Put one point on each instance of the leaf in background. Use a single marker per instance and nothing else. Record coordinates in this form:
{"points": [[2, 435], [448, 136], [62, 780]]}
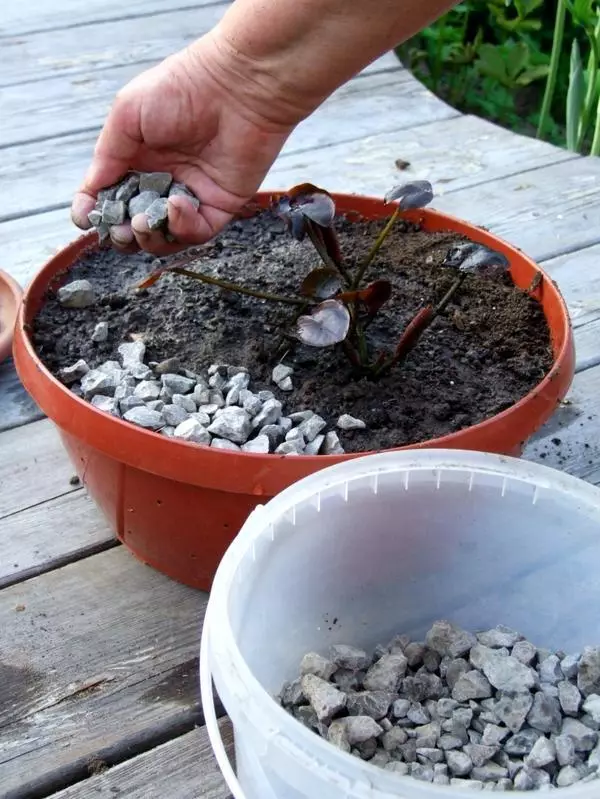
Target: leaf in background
{"points": [[516, 59], [575, 96], [491, 63], [532, 74], [327, 324], [321, 283], [416, 194]]}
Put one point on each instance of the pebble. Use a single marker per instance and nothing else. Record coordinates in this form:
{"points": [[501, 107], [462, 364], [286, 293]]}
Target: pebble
{"points": [[471, 685], [569, 697], [113, 212], [192, 430], [106, 404], [97, 382], [448, 640], [147, 390], [499, 637], [127, 403], [588, 674], [347, 422], [282, 373], [233, 423], [290, 448], [331, 444], [128, 188], [145, 417], [76, 294], [570, 665], [178, 189], [565, 750], [71, 374], [385, 675], [324, 698], [545, 714], [313, 663], [252, 405], [178, 384], [174, 414], [169, 365], [349, 657], [314, 447], [300, 416], [157, 213], [223, 443], [274, 433], [271, 412], [100, 333], [524, 651], [141, 202], [259, 445], [583, 738], [158, 182], [508, 673], [311, 427]]}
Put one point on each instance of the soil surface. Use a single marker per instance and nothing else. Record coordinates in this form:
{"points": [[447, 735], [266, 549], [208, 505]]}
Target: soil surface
{"points": [[487, 351]]}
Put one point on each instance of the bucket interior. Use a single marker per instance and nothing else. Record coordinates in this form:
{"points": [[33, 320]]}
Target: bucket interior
{"points": [[391, 552]]}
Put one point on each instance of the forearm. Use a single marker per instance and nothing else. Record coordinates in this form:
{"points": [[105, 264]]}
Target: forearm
{"points": [[299, 51]]}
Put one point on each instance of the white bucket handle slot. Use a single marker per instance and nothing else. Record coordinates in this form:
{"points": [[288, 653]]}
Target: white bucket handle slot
{"points": [[212, 723]]}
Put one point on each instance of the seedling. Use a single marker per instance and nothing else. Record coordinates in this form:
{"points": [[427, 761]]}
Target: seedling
{"points": [[334, 305]]}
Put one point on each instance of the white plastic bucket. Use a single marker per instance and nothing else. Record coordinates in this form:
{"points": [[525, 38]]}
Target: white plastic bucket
{"points": [[377, 546]]}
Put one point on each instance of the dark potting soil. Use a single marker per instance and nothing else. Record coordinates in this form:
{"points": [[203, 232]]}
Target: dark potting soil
{"points": [[490, 347]]}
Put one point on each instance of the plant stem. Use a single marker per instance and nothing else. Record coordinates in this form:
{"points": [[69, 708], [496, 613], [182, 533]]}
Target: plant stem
{"points": [[214, 281], [375, 248], [557, 42], [591, 91], [320, 247], [595, 149]]}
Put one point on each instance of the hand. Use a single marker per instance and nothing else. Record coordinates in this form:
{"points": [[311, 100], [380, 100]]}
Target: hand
{"points": [[192, 116]]}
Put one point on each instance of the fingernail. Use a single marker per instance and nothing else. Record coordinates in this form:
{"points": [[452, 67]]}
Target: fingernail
{"points": [[122, 234], [79, 211], [139, 223]]}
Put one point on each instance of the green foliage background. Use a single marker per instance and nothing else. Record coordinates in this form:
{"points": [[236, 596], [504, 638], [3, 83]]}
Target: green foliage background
{"points": [[493, 57]]}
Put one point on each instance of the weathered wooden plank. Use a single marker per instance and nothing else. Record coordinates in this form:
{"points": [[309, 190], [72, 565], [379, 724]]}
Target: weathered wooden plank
{"points": [[16, 406], [578, 278], [452, 153], [49, 535], [33, 467], [180, 769], [358, 109], [98, 658], [63, 105], [546, 212], [128, 40], [19, 19]]}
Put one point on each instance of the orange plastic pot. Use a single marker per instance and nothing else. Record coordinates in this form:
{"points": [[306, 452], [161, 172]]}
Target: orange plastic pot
{"points": [[176, 505], [10, 297]]}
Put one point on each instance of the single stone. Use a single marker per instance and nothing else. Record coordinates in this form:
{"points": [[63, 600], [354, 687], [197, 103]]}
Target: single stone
{"points": [[265, 395], [394, 739], [141, 202], [450, 742], [454, 670], [314, 446], [295, 435], [429, 754], [512, 708], [155, 405], [583, 738], [209, 410], [568, 775], [300, 416], [594, 758], [285, 423], [192, 430], [400, 708], [447, 639], [396, 766], [422, 772], [71, 374], [480, 655], [159, 182], [417, 714], [201, 417], [521, 743], [280, 373], [331, 445], [471, 685], [95, 217], [106, 404], [76, 294], [337, 735], [169, 365], [313, 663], [349, 657], [509, 674], [498, 637], [291, 693], [132, 354], [375, 704], [290, 448], [274, 433], [306, 715], [113, 212], [100, 333], [127, 403], [144, 417], [217, 369], [286, 384], [542, 753], [310, 428], [385, 675], [217, 381], [258, 445], [223, 443], [493, 735], [185, 401], [414, 652], [252, 405], [565, 750], [570, 699], [179, 190], [347, 422], [550, 671], [588, 675], [361, 728], [178, 384], [431, 660], [490, 772], [324, 698], [524, 651], [590, 706], [128, 188], [97, 382], [174, 414], [427, 734], [570, 666], [445, 707], [147, 390], [459, 763], [545, 714], [463, 716], [479, 753], [167, 431], [233, 424], [270, 413]]}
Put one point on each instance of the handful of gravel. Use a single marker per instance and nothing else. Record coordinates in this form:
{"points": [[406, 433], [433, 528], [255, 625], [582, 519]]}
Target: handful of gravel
{"points": [[489, 711], [138, 193]]}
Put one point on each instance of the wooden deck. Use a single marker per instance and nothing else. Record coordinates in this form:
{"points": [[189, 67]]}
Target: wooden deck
{"points": [[98, 654]]}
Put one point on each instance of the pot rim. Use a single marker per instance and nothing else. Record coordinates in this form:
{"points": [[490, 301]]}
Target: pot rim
{"points": [[9, 313], [288, 468]]}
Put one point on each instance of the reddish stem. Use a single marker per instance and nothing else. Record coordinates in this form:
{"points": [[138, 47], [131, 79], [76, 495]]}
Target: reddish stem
{"points": [[413, 331]]}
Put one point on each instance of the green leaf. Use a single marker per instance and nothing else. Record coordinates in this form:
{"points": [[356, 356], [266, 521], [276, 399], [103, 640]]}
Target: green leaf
{"points": [[575, 96], [532, 74], [491, 63], [517, 59]]}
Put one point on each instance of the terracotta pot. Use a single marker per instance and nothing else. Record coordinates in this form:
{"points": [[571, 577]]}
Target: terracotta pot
{"points": [[10, 297], [176, 505]]}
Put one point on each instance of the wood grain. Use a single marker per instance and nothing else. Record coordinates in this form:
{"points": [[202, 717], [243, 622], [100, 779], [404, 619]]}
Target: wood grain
{"points": [[358, 109], [49, 535], [16, 406], [33, 467], [184, 768], [97, 657]]}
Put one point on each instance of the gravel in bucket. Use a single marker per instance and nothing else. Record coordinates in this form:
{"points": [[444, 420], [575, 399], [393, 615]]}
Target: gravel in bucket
{"points": [[485, 711]]}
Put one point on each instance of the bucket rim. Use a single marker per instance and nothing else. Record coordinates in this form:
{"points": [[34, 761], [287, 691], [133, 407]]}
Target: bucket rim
{"points": [[298, 740]]}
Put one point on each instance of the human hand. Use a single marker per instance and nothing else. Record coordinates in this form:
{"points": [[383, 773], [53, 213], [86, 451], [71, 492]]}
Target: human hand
{"points": [[191, 116]]}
